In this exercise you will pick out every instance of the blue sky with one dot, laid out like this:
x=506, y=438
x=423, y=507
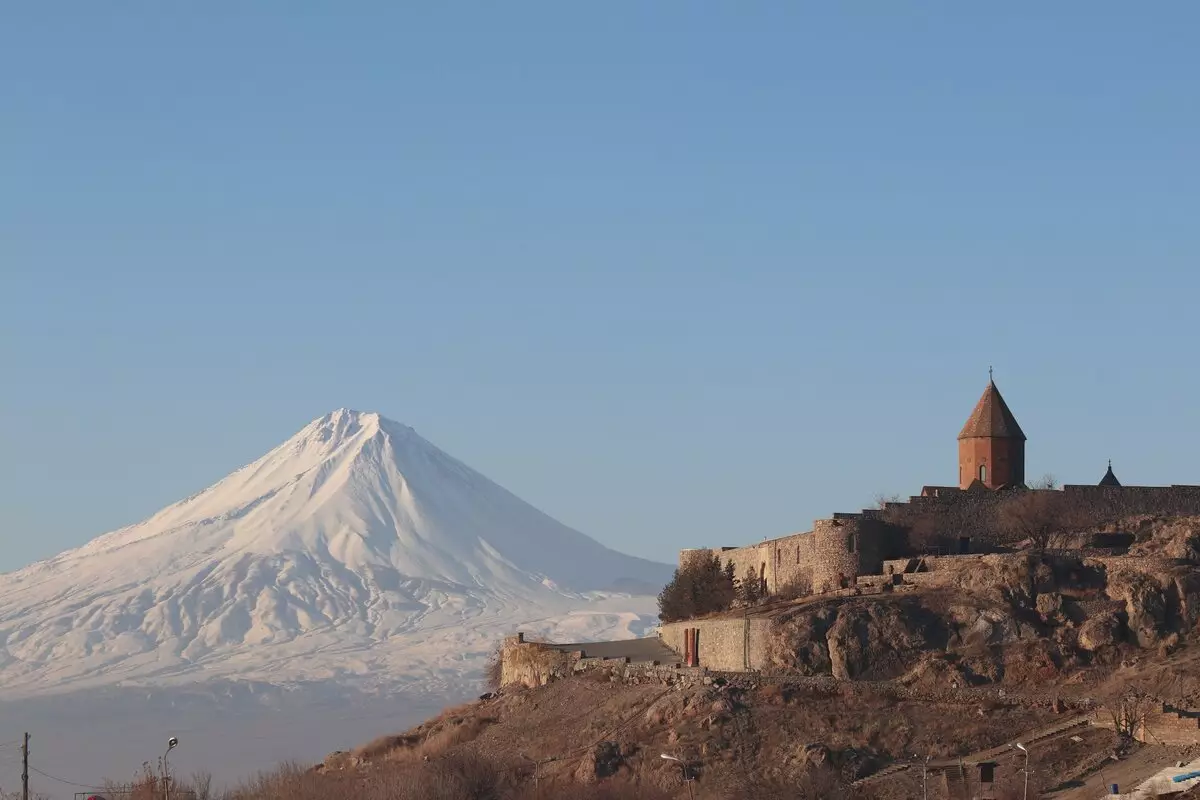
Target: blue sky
x=677, y=276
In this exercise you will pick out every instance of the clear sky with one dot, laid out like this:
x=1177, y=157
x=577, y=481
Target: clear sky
x=677, y=274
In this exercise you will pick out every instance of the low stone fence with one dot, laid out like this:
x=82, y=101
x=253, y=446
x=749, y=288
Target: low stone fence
x=533, y=664
x=963, y=695
x=949, y=563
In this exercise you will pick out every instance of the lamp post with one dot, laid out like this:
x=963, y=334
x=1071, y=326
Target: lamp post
x=925, y=777
x=172, y=743
x=536, y=764
x=686, y=779
x=1025, y=750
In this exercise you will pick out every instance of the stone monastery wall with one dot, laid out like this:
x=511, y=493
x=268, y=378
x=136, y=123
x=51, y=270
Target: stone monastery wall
x=830, y=556
x=839, y=550
x=735, y=645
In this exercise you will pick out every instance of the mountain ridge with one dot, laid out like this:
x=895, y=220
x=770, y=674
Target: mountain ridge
x=355, y=535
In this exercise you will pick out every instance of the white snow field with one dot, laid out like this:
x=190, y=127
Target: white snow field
x=356, y=560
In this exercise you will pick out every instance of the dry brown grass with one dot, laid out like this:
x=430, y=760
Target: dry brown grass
x=456, y=777
x=454, y=726
x=150, y=785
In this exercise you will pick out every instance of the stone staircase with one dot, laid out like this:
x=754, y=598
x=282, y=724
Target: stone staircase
x=955, y=778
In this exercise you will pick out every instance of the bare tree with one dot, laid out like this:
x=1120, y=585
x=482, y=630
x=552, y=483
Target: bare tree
x=201, y=785
x=882, y=500
x=1038, y=516
x=1128, y=711
x=1047, y=481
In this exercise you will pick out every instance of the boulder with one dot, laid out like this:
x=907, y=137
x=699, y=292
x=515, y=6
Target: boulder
x=814, y=754
x=1049, y=604
x=1100, y=631
x=602, y=762
x=877, y=640
x=1145, y=605
x=1186, y=590
x=722, y=705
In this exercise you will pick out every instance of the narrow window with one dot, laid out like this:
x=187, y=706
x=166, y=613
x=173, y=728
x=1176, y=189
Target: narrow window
x=983, y=472
x=851, y=543
x=797, y=554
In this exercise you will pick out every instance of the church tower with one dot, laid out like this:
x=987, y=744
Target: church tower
x=991, y=447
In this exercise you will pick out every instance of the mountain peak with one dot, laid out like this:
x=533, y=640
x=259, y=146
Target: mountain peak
x=347, y=423
x=355, y=530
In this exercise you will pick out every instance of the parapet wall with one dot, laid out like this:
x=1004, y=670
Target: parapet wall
x=847, y=546
x=831, y=556
x=775, y=562
x=734, y=645
x=952, y=513
x=532, y=664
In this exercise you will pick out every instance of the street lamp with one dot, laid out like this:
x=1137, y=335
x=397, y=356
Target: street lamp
x=172, y=743
x=683, y=765
x=1025, y=750
x=536, y=765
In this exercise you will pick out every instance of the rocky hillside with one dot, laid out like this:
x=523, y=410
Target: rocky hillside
x=1011, y=619
x=860, y=691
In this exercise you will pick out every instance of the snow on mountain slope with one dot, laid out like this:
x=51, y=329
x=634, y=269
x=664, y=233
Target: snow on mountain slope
x=355, y=551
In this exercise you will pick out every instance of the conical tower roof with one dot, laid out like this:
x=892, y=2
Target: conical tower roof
x=1109, y=478
x=992, y=418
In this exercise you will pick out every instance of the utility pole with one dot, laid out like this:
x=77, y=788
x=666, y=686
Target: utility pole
x=25, y=768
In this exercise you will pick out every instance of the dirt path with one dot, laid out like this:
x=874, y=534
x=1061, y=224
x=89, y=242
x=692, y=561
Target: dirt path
x=1039, y=737
x=1127, y=773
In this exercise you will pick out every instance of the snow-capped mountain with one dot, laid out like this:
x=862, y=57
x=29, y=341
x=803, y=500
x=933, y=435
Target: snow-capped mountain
x=355, y=551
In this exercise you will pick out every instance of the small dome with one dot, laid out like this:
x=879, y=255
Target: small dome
x=1109, y=478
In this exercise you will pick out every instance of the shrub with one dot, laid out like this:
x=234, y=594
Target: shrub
x=750, y=588
x=794, y=589
x=699, y=587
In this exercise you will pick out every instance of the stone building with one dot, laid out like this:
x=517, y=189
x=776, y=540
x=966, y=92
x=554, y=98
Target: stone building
x=848, y=548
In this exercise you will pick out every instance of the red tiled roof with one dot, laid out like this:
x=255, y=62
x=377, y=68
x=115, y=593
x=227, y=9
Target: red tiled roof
x=992, y=418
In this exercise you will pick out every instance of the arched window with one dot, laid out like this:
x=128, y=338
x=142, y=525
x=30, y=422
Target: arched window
x=851, y=542
x=983, y=472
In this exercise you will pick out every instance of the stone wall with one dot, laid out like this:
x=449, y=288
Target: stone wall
x=730, y=644
x=1167, y=726
x=940, y=520
x=532, y=663
x=1162, y=725
x=953, y=513
x=776, y=562
x=791, y=561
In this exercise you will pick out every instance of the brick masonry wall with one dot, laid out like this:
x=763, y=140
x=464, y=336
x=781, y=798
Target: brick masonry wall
x=1168, y=728
x=724, y=644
